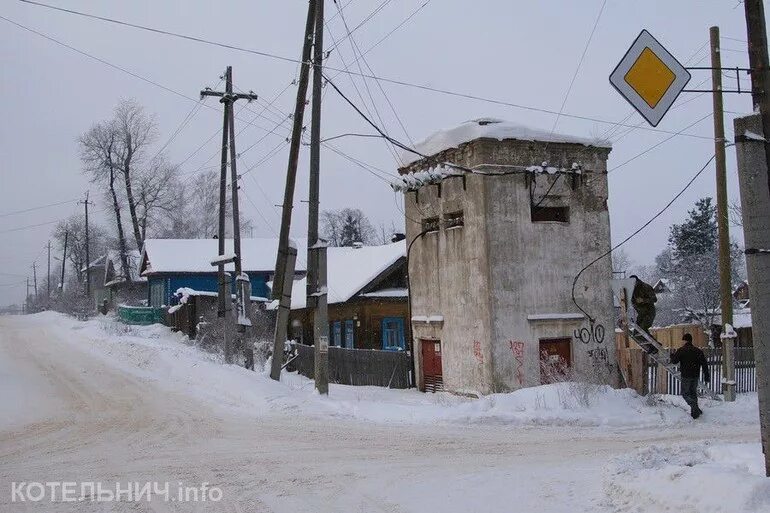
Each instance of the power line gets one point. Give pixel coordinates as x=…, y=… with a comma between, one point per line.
x=15, y=212
x=577, y=69
x=634, y=234
x=293, y=60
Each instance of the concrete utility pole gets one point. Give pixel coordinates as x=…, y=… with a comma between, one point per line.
x=723, y=224
x=227, y=98
x=316, y=271
x=283, y=280
x=755, y=202
x=282, y=317
x=88, y=251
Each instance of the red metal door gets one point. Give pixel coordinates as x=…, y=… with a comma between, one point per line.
x=432, y=377
x=555, y=359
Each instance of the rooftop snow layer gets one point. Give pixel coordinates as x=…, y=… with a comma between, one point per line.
x=195, y=255
x=490, y=128
x=349, y=270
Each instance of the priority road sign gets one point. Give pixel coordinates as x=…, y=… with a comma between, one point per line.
x=649, y=77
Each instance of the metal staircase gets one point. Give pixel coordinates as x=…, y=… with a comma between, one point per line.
x=662, y=356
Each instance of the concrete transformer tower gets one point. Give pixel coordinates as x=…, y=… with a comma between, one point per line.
x=501, y=219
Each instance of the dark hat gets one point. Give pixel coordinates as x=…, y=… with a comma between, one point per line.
x=634, y=277
x=687, y=337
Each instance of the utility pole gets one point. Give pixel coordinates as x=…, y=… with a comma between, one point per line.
x=88, y=251
x=227, y=98
x=48, y=278
x=723, y=225
x=316, y=271
x=34, y=277
x=26, y=300
x=755, y=203
x=754, y=176
x=284, y=278
x=63, y=261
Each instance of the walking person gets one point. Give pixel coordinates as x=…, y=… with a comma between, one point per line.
x=691, y=360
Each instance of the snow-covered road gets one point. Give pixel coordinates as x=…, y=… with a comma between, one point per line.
x=71, y=411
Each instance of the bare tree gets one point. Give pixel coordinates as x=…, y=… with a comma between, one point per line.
x=75, y=229
x=192, y=210
x=134, y=131
x=98, y=152
x=347, y=226
x=621, y=261
x=157, y=195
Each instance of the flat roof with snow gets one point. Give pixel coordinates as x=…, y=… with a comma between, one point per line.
x=491, y=128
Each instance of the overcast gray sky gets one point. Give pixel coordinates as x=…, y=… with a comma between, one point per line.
x=521, y=52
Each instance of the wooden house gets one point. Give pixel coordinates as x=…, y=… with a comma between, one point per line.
x=173, y=264
x=367, y=297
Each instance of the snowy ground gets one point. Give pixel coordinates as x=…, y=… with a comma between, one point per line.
x=98, y=401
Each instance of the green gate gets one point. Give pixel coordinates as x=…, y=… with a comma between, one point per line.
x=141, y=315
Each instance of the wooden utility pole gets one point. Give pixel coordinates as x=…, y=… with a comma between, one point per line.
x=282, y=282
x=48, y=278
x=63, y=260
x=316, y=271
x=34, y=278
x=756, y=206
x=227, y=98
x=26, y=300
x=88, y=251
x=723, y=225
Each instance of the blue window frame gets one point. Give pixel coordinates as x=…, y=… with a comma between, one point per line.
x=393, y=334
x=349, y=334
x=337, y=333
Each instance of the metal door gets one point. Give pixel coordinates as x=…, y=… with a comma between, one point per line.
x=432, y=374
x=555, y=359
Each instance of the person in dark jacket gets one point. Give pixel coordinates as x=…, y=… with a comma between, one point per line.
x=691, y=360
x=643, y=298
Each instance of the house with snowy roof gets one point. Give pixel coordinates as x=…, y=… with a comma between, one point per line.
x=122, y=282
x=173, y=264
x=367, y=298
x=502, y=218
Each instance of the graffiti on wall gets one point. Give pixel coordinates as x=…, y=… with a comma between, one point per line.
x=595, y=332
x=517, y=348
x=477, y=351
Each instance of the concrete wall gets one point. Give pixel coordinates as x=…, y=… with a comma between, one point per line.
x=449, y=278
x=488, y=277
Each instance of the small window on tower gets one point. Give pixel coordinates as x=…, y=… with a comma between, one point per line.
x=454, y=220
x=430, y=224
x=558, y=214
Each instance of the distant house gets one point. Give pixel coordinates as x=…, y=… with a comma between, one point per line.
x=662, y=286
x=741, y=293
x=171, y=264
x=367, y=297
x=124, y=286
x=94, y=273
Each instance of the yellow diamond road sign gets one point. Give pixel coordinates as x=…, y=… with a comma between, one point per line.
x=650, y=78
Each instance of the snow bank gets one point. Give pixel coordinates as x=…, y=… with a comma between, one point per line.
x=489, y=128
x=169, y=360
x=705, y=478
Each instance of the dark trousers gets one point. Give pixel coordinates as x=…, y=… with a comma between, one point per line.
x=690, y=392
x=645, y=316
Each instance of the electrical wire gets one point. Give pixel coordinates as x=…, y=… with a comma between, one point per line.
x=447, y=92
x=634, y=234
x=31, y=209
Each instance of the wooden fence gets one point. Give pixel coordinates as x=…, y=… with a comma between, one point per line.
x=661, y=382
x=359, y=367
